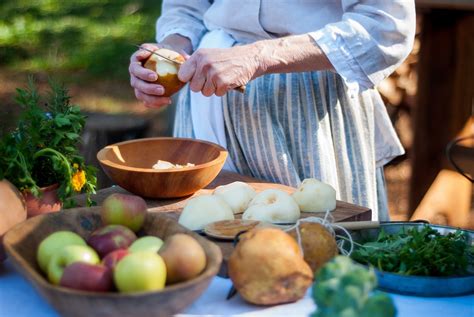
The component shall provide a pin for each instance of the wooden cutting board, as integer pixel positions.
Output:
(344, 211)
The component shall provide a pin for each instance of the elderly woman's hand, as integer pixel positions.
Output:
(141, 79)
(217, 70)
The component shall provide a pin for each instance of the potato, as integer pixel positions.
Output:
(319, 246)
(267, 268)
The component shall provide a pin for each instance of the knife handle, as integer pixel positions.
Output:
(359, 225)
(240, 89)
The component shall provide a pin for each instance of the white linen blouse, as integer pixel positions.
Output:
(365, 40)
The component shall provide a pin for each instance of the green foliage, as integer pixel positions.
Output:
(76, 35)
(345, 289)
(418, 252)
(42, 150)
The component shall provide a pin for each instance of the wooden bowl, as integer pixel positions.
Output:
(129, 164)
(22, 241)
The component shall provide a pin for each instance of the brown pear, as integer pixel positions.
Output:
(166, 70)
(267, 268)
(12, 210)
(319, 246)
(184, 258)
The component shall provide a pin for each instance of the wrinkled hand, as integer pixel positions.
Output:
(217, 70)
(141, 80)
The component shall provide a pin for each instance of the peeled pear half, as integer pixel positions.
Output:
(315, 196)
(203, 210)
(237, 194)
(267, 268)
(167, 71)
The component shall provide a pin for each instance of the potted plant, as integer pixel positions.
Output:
(40, 157)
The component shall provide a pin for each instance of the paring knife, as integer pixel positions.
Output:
(239, 89)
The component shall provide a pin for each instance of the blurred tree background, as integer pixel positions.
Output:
(92, 37)
(85, 44)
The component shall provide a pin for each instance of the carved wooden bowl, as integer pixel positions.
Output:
(129, 165)
(22, 241)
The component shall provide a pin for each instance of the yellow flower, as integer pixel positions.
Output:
(78, 180)
(75, 165)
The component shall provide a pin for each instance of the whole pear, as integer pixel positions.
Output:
(267, 267)
(184, 258)
(319, 246)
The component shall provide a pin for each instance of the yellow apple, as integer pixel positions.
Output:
(140, 272)
(167, 71)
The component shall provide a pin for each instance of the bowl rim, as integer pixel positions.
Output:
(220, 158)
(36, 279)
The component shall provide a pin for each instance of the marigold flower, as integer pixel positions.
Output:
(78, 180)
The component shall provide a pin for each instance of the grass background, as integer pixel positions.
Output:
(92, 37)
(85, 44)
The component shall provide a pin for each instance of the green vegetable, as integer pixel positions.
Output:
(345, 289)
(423, 252)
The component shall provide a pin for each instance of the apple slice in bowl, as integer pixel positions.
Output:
(22, 241)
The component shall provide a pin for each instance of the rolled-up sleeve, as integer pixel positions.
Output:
(371, 40)
(183, 17)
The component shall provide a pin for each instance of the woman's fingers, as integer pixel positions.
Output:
(187, 70)
(148, 88)
(137, 70)
(152, 101)
(209, 88)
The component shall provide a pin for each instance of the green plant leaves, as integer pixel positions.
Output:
(43, 148)
(418, 252)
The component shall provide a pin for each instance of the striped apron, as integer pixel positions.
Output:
(288, 127)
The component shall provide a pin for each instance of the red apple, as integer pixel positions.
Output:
(126, 210)
(114, 257)
(87, 277)
(110, 238)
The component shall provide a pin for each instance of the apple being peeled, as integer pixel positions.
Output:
(140, 271)
(110, 238)
(112, 259)
(126, 210)
(53, 243)
(167, 71)
(87, 277)
(68, 255)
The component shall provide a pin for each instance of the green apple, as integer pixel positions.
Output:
(140, 272)
(148, 243)
(53, 243)
(68, 255)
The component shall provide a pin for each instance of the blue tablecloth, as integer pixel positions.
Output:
(18, 298)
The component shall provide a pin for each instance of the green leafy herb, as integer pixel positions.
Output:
(42, 150)
(423, 252)
(344, 288)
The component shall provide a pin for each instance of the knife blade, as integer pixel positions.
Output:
(240, 89)
(158, 54)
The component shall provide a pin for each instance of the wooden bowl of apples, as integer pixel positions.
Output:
(162, 167)
(125, 282)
